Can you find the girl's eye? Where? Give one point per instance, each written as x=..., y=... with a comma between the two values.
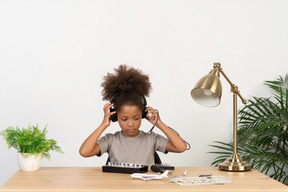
x=124, y=119
x=136, y=119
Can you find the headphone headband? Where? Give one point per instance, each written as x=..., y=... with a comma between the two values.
x=113, y=97
x=118, y=93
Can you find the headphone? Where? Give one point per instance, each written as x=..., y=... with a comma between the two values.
x=113, y=117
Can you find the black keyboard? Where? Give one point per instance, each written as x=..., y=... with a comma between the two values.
x=124, y=168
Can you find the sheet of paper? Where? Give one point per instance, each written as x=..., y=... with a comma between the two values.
x=186, y=181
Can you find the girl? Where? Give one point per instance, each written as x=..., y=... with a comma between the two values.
x=126, y=90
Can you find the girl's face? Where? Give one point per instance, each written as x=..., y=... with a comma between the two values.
x=129, y=119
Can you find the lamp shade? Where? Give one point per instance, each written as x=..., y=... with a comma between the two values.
x=208, y=89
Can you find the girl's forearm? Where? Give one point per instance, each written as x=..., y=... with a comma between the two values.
x=89, y=146
x=176, y=143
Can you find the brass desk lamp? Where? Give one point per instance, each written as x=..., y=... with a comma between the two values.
x=207, y=92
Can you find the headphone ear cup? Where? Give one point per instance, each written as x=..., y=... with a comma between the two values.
x=144, y=113
x=113, y=117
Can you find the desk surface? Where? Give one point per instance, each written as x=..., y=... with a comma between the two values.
x=93, y=179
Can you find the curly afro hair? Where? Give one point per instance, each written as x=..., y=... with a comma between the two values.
x=128, y=85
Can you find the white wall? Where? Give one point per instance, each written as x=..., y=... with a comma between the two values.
x=54, y=54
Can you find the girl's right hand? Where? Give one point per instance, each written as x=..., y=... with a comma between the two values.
x=107, y=114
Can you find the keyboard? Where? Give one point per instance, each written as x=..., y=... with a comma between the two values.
x=124, y=168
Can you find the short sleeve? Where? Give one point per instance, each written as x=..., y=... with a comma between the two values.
x=103, y=143
x=160, y=143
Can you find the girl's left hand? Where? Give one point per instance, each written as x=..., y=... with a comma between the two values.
x=152, y=115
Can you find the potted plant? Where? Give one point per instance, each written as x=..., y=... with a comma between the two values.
x=31, y=144
x=263, y=133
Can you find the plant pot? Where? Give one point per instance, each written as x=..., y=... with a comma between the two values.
x=29, y=162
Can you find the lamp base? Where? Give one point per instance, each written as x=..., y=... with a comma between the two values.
x=235, y=163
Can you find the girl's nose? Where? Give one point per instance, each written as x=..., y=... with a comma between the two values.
x=130, y=123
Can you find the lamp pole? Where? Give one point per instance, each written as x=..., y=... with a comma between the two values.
x=234, y=123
